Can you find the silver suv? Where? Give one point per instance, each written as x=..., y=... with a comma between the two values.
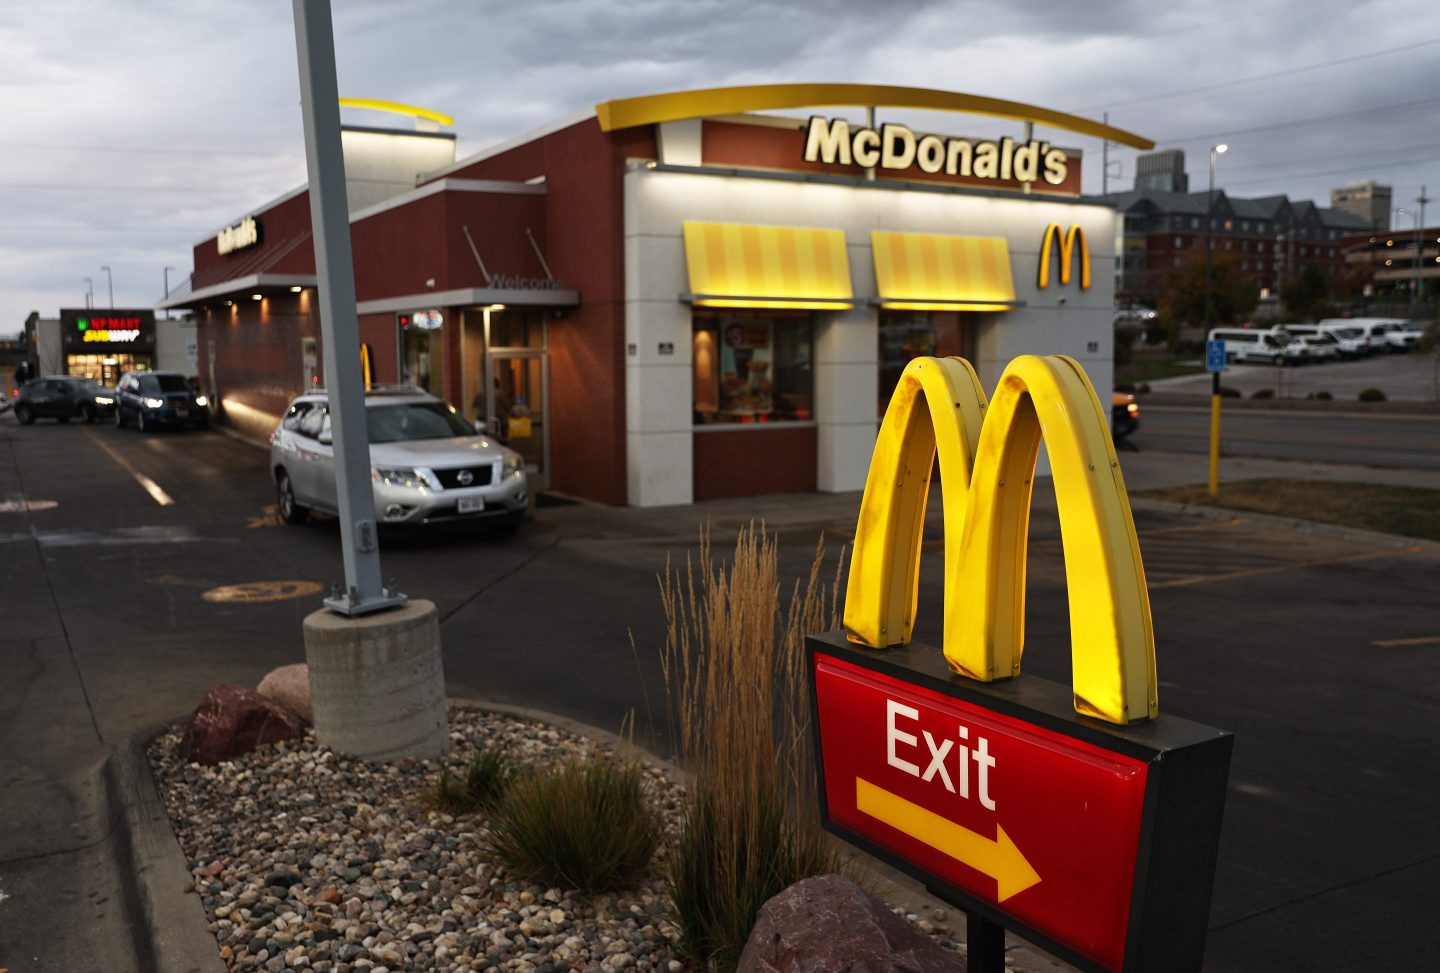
x=428, y=464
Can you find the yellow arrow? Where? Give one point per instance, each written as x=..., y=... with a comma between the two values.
x=999, y=859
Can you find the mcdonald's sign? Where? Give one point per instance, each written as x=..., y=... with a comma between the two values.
x=1071, y=243
x=1077, y=815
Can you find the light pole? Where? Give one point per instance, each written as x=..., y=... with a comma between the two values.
x=110, y=279
x=167, y=288
x=1419, y=248
x=89, y=292
x=1399, y=212
x=1215, y=151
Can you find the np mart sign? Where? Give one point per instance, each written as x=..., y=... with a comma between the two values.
x=1094, y=841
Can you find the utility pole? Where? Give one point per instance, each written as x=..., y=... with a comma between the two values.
x=1214, y=480
x=1419, y=242
x=110, y=279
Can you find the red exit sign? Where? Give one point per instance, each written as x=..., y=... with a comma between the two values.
x=1007, y=803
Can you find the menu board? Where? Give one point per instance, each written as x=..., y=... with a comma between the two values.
x=746, y=363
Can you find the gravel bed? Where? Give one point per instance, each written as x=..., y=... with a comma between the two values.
x=308, y=860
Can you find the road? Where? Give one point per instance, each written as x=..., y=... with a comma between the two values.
x=1393, y=440
x=1321, y=653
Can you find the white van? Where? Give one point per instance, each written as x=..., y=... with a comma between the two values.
x=1254, y=345
x=1384, y=334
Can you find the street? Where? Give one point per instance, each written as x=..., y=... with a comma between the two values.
x=1319, y=650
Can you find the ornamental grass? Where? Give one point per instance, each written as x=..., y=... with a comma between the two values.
x=734, y=666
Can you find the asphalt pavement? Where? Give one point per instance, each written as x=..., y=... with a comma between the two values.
x=1319, y=647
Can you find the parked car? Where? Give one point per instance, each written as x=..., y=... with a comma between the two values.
x=1124, y=416
x=1384, y=334
x=159, y=399
x=1320, y=347
x=1256, y=345
x=62, y=397
x=428, y=463
x=1350, y=341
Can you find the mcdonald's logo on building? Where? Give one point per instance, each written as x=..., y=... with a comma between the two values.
x=1033, y=804
x=1071, y=244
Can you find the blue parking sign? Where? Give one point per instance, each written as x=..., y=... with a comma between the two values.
x=1214, y=356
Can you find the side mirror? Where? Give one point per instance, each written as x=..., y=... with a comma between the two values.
x=325, y=438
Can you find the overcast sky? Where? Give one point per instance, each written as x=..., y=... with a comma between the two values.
x=131, y=130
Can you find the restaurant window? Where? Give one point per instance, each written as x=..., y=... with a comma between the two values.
x=905, y=335
x=753, y=367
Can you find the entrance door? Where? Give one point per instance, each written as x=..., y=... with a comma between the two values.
x=422, y=358
x=518, y=404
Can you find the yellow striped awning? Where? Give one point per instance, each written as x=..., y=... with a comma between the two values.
x=926, y=272
x=739, y=265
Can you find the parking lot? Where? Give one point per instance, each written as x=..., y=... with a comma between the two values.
x=1410, y=377
x=1318, y=650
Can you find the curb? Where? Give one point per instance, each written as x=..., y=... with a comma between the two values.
x=1402, y=543
x=171, y=930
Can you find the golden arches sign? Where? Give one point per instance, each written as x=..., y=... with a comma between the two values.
x=1067, y=243
x=987, y=456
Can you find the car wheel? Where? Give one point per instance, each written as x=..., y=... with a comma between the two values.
x=291, y=512
x=204, y=423
x=140, y=419
x=63, y=419
x=1276, y=359
x=119, y=418
x=23, y=413
x=89, y=413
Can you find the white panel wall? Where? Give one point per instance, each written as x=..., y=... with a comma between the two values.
x=1057, y=320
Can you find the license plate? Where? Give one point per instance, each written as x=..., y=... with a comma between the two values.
x=469, y=505
x=183, y=413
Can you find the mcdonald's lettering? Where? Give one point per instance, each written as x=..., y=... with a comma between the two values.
x=1071, y=244
x=1030, y=804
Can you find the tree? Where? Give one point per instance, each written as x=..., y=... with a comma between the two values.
x=1307, y=292
x=1232, y=295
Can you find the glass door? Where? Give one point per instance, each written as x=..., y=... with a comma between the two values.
x=422, y=356
x=517, y=406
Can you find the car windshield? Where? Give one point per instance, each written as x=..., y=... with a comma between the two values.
x=163, y=383
x=414, y=420
x=1348, y=332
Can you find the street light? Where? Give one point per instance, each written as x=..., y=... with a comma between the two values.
x=89, y=292
x=110, y=279
x=1214, y=484
x=167, y=288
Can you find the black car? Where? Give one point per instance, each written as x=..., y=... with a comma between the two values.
x=159, y=399
x=62, y=397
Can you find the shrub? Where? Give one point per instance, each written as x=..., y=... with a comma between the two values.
x=1226, y=392
x=1143, y=388
x=486, y=777
x=739, y=700
x=586, y=824
x=1263, y=394
x=1371, y=395
x=1124, y=386
x=1321, y=396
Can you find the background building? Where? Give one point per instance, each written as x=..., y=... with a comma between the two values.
x=1367, y=200
x=1162, y=172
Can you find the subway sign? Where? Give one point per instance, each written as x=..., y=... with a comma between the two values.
x=97, y=331
x=1076, y=816
x=896, y=147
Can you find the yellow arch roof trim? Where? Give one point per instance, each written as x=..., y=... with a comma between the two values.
x=708, y=102
x=396, y=108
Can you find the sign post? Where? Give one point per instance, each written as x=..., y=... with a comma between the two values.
x=1074, y=815
x=1214, y=364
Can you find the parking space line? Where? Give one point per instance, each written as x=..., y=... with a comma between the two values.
x=1280, y=568
x=150, y=486
x=1403, y=643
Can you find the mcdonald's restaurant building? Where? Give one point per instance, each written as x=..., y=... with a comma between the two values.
x=680, y=296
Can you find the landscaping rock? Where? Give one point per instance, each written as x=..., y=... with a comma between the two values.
x=290, y=687
x=828, y=923
x=232, y=720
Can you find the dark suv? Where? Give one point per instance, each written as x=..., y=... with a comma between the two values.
x=62, y=397
x=159, y=399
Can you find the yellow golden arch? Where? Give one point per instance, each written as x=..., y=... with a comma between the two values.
x=1066, y=242
x=987, y=456
x=675, y=106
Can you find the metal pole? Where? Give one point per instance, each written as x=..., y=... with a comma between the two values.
x=1419, y=242
x=984, y=945
x=1214, y=433
x=110, y=281
x=1215, y=381
x=89, y=292
x=339, y=328
x=1105, y=161
x=1209, y=226
x=167, y=288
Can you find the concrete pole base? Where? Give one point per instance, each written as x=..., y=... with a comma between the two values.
x=377, y=683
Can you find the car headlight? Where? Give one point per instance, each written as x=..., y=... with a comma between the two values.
x=201, y=400
x=512, y=464
x=154, y=403
x=104, y=400
x=399, y=477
